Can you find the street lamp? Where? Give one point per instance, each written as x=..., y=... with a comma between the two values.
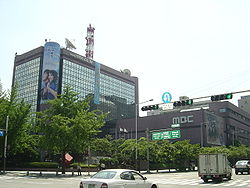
x=136, y=131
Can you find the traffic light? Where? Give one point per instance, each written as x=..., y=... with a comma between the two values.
x=150, y=107
x=183, y=103
x=222, y=97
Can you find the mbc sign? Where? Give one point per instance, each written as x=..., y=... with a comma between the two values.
x=183, y=119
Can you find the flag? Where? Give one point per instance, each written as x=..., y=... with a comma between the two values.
x=68, y=157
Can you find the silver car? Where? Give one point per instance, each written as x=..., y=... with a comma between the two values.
x=117, y=178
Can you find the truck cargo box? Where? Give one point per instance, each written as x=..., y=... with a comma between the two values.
x=214, y=166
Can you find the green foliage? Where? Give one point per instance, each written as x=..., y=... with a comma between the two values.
x=217, y=149
x=102, y=147
x=74, y=165
x=68, y=125
x=109, y=162
x=20, y=141
x=185, y=154
x=126, y=153
x=238, y=153
x=42, y=165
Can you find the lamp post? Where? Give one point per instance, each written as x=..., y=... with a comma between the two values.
x=136, y=131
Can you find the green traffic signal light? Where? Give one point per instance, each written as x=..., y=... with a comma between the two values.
x=189, y=102
x=229, y=96
x=150, y=107
x=183, y=103
x=222, y=97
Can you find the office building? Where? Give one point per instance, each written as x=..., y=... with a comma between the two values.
x=244, y=103
x=211, y=124
x=113, y=91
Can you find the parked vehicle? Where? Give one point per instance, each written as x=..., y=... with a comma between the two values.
x=117, y=178
x=242, y=166
x=214, y=167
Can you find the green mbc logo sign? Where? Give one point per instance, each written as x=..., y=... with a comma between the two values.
x=166, y=135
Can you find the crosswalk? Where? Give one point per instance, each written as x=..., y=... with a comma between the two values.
x=198, y=182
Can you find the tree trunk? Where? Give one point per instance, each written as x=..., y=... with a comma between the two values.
x=63, y=163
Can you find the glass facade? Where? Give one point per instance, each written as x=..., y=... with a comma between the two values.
x=26, y=79
x=116, y=96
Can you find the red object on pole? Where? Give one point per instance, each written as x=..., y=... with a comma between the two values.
x=68, y=157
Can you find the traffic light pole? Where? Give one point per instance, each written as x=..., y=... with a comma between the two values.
x=147, y=135
x=244, y=91
x=136, y=132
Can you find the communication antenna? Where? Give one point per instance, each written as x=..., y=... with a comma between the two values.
x=69, y=45
x=127, y=72
x=90, y=42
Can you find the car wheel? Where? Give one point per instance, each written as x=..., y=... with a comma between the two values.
x=153, y=186
x=236, y=172
x=205, y=180
x=229, y=177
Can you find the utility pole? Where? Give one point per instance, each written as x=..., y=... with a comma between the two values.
x=147, y=134
x=136, y=132
x=5, y=145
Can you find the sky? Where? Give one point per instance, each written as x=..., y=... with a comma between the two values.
x=188, y=48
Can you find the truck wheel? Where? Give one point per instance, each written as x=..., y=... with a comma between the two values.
x=229, y=177
x=218, y=180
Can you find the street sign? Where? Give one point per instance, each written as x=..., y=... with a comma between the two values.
x=166, y=97
x=166, y=135
x=1, y=133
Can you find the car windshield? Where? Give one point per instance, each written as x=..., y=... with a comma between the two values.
x=241, y=163
x=104, y=175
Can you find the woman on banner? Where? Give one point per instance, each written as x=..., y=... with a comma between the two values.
x=52, y=85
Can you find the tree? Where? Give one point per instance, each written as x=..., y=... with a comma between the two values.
x=1, y=87
x=238, y=153
x=165, y=152
x=68, y=125
x=185, y=153
x=21, y=143
x=102, y=146
x=126, y=153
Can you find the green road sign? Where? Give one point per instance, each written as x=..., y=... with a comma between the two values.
x=166, y=135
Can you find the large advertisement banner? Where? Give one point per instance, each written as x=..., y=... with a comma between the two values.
x=214, y=129
x=97, y=83
x=50, y=71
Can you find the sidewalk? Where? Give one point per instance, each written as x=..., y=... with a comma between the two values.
x=46, y=174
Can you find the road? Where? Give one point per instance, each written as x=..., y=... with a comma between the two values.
x=165, y=180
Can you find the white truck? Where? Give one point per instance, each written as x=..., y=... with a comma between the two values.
x=214, y=167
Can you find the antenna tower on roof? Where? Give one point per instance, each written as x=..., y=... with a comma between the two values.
x=90, y=42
